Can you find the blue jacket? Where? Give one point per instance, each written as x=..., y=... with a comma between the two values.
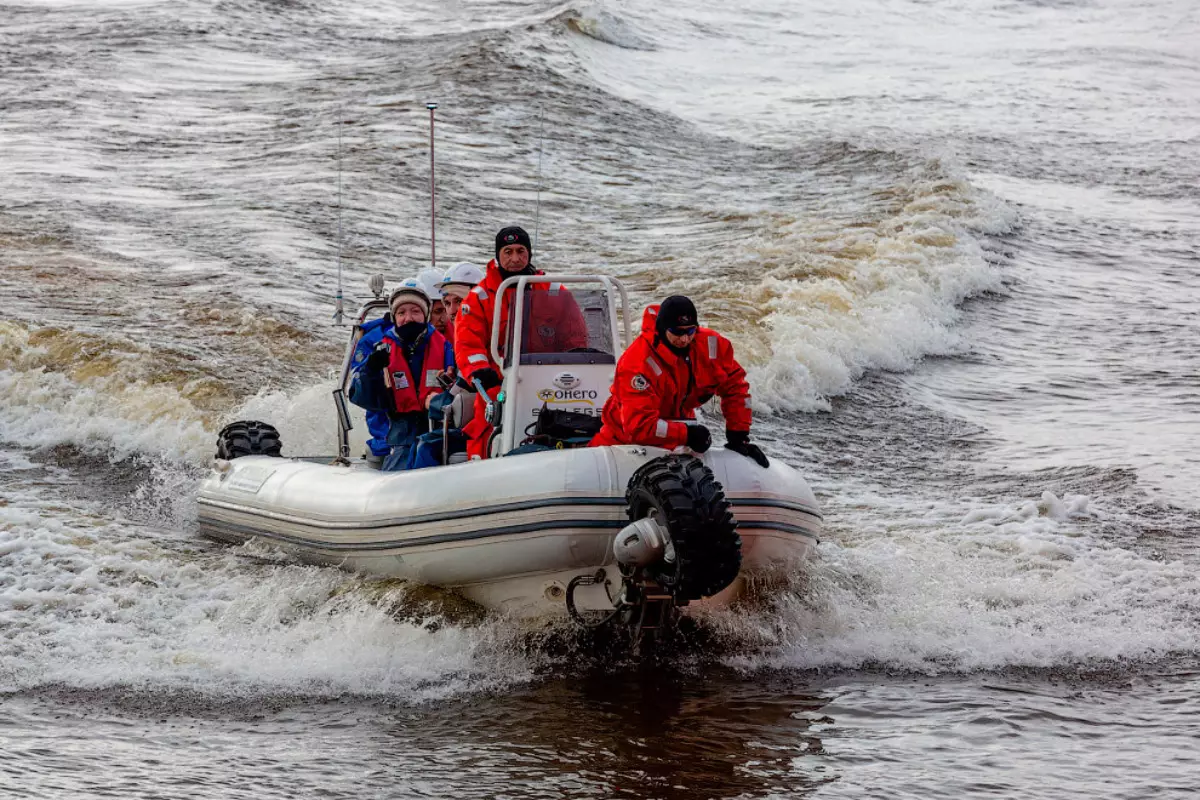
x=368, y=390
x=377, y=421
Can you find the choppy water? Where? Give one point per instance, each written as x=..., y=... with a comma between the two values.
x=956, y=242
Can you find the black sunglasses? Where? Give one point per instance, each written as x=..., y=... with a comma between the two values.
x=685, y=331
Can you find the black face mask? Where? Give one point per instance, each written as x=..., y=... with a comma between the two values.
x=409, y=332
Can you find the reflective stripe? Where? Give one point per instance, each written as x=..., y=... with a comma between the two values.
x=712, y=347
x=479, y=290
x=660, y=430
x=475, y=359
x=652, y=364
x=554, y=287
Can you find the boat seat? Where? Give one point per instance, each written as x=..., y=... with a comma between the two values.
x=462, y=408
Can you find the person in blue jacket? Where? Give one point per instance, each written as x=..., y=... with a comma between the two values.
x=377, y=421
x=406, y=373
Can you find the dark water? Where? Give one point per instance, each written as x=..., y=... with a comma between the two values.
x=954, y=242
x=669, y=734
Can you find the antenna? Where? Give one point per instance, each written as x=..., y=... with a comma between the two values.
x=537, y=211
x=432, y=193
x=338, y=309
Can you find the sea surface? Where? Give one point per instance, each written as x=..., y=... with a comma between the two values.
x=956, y=243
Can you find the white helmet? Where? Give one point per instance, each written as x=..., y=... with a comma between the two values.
x=429, y=278
x=413, y=290
x=463, y=274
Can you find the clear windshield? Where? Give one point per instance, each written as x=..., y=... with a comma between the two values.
x=564, y=326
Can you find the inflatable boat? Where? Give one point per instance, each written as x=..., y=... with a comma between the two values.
x=620, y=533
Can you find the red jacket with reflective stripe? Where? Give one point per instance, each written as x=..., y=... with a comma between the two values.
x=555, y=323
x=410, y=392
x=653, y=385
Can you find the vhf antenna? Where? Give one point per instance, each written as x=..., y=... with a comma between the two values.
x=432, y=193
x=338, y=308
x=537, y=211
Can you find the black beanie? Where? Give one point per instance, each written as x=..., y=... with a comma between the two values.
x=676, y=311
x=512, y=235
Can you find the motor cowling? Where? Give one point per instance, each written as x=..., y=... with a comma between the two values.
x=641, y=543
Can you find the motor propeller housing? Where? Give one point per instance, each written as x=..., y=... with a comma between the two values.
x=641, y=543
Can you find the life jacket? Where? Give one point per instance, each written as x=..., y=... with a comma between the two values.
x=410, y=392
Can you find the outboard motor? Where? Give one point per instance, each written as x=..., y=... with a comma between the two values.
x=642, y=543
x=681, y=545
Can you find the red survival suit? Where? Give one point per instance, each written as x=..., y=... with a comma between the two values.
x=555, y=325
x=654, y=386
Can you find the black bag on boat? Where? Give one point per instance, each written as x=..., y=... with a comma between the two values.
x=562, y=429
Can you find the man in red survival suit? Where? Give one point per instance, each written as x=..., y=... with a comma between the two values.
x=555, y=325
x=668, y=372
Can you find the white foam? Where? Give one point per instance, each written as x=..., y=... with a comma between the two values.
x=109, y=416
x=305, y=419
x=879, y=295
x=119, y=414
x=1027, y=583
x=109, y=604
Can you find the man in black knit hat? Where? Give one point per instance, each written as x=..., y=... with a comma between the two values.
x=555, y=325
x=668, y=372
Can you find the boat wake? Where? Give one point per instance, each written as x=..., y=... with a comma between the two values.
x=101, y=601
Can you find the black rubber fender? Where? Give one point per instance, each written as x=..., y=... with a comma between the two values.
x=691, y=504
x=248, y=438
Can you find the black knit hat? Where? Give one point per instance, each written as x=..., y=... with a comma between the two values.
x=512, y=235
x=676, y=311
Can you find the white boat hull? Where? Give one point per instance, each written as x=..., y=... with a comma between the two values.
x=507, y=533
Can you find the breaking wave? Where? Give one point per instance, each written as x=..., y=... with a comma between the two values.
x=607, y=28
x=121, y=399
x=875, y=284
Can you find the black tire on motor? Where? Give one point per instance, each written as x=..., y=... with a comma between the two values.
x=691, y=504
x=247, y=438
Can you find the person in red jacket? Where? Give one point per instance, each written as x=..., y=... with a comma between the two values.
x=668, y=372
x=454, y=286
x=555, y=325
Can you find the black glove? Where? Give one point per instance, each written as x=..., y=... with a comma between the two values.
x=739, y=442
x=379, y=358
x=699, y=439
x=487, y=376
